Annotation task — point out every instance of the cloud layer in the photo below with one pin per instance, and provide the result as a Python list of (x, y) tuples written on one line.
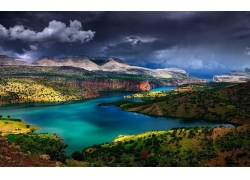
[(55, 32), (193, 41)]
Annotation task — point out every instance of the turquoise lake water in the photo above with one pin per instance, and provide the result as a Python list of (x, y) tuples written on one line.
[(83, 123)]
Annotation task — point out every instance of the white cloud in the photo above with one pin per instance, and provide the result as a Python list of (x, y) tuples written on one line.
[(33, 47), (247, 51), (3, 32), (134, 39), (55, 32), (18, 32)]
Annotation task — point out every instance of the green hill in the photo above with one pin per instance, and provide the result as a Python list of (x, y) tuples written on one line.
[(180, 147), (229, 104), (19, 90)]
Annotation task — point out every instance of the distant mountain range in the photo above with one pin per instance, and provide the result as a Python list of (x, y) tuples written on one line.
[(98, 64), (233, 76)]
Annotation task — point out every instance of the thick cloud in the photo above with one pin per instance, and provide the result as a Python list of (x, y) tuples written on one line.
[(55, 32), (193, 41), (3, 32)]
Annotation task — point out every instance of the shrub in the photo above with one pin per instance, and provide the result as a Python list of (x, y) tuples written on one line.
[(77, 156)]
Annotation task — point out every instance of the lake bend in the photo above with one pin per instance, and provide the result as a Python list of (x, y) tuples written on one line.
[(82, 123)]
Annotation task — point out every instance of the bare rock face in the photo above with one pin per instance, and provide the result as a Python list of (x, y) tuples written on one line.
[(44, 157), (233, 76), (116, 84)]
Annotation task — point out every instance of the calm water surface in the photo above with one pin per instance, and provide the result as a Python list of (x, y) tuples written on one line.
[(83, 123)]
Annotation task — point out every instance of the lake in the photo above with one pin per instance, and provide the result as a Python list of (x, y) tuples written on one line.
[(83, 123)]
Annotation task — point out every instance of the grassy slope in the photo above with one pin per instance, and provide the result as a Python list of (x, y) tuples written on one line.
[(230, 104), (15, 126), (39, 144), (15, 90), (199, 146)]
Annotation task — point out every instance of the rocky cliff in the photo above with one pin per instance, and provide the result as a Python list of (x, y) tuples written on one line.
[(175, 82), (112, 85)]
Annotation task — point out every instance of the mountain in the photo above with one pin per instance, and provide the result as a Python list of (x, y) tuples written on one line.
[(109, 64), (5, 60), (233, 76), (98, 65)]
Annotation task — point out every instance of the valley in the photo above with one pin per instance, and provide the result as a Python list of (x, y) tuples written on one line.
[(193, 124)]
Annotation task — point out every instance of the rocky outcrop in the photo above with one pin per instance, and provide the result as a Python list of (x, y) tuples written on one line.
[(115, 85), (177, 82), (233, 76)]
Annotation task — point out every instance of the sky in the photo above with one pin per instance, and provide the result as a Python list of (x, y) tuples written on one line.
[(196, 41)]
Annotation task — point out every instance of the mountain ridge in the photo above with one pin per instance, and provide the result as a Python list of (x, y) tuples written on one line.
[(101, 64), (233, 76)]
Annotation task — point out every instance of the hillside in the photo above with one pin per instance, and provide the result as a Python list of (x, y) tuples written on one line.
[(32, 150), (228, 104), (20, 90), (186, 146), (179, 147)]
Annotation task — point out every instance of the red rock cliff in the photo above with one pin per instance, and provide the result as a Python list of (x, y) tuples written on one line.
[(115, 85)]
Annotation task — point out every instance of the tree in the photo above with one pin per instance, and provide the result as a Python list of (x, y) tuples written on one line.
[(77, 156), (8, 116)]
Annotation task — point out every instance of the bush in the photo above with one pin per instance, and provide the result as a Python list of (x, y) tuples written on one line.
[(77, 156)]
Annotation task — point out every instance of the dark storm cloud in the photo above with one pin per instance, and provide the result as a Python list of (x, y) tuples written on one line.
[(189, 40)]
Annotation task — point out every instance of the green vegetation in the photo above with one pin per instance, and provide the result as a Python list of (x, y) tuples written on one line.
[(177, 147), (16, 90), (181, 88), (14, 126), (149, 94), (198, 146), (229, 104), (39, 144)]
